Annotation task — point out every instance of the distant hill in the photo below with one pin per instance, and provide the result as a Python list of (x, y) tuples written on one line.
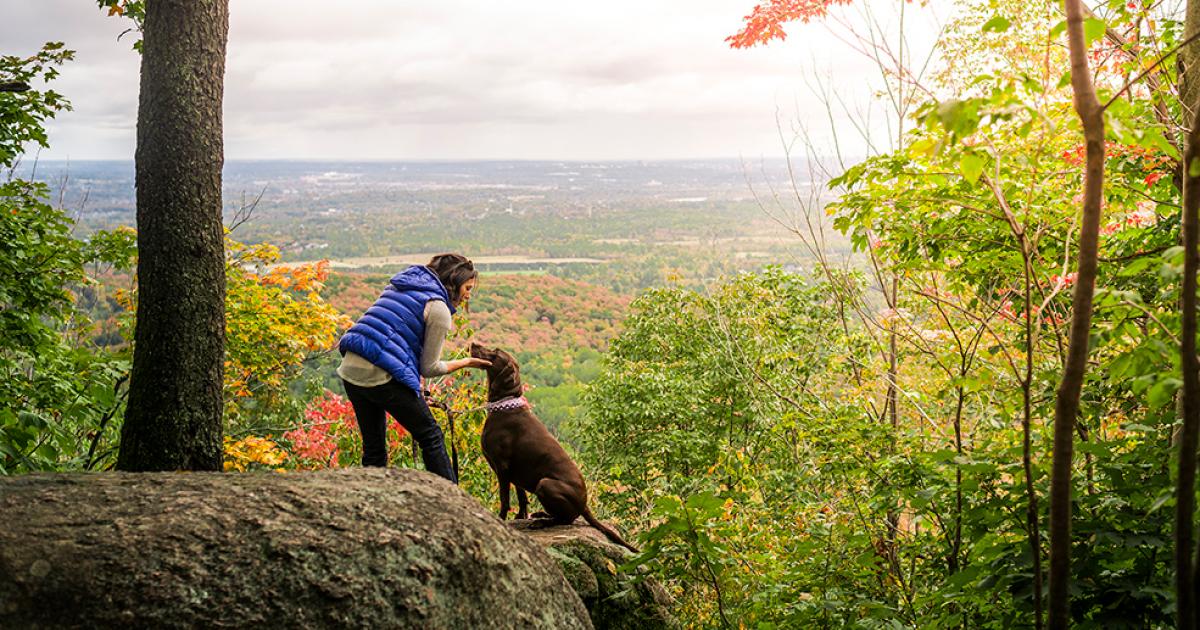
[(690, 221), (299, 195)]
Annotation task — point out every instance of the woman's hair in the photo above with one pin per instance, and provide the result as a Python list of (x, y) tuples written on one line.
[(453, 270)]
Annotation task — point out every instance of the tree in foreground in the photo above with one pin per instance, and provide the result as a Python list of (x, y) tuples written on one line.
[(174, 417)]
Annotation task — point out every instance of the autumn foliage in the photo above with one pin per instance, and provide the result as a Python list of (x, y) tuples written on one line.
[(531, 314), (765, 22), (276, 318), (253, 453)]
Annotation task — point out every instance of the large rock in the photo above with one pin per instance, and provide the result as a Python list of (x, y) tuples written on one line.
[(350, 548), (615, 598)]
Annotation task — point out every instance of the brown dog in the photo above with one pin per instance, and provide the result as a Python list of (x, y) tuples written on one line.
[(522, 452)]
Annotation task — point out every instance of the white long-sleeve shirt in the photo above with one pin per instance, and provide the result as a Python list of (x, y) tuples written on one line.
[(359, 371)]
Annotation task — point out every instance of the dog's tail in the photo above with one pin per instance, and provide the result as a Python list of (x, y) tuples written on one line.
[(606, 530)]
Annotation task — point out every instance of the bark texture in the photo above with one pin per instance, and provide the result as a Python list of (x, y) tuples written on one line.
[(1185, 506), (615, 599), (349, 548), (173, 420), (1189, 65)]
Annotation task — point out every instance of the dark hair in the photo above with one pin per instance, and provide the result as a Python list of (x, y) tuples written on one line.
[(453, 270)]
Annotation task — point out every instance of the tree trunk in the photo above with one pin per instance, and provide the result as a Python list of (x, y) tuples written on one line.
[(1185, 489), (352, 548), (1032, 513), (173, 420), (1066, 406), (1189, 65), (1185, 506)]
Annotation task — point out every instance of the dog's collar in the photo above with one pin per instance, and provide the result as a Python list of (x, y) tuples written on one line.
[(508, 404)]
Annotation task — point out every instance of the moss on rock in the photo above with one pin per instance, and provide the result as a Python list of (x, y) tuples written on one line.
[(616, 600)]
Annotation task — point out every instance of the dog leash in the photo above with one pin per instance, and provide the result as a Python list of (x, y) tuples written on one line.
[(453, 442), (507, 404)]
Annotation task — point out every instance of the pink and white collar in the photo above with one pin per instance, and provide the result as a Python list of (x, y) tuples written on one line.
[(511, 403)]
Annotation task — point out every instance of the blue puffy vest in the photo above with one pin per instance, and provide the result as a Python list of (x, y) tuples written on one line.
[(391, 333)]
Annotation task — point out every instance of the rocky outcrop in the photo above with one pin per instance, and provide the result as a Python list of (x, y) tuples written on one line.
[(614, 598), (347, 548)]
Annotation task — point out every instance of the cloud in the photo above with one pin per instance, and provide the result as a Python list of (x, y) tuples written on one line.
[(458, 79)]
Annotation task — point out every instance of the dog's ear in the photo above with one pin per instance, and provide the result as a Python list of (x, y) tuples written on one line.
[(508, 377)]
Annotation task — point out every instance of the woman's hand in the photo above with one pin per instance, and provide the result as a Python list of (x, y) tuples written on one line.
[(469, 362)]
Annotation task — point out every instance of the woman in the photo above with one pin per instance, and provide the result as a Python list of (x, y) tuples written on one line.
[(396, 342)]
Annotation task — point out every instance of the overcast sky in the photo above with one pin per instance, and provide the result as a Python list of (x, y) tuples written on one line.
[(460, 79)]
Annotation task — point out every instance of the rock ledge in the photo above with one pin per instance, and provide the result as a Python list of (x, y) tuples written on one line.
[(592, 564)]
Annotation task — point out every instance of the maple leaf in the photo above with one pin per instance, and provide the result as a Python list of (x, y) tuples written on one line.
[(765, 22)]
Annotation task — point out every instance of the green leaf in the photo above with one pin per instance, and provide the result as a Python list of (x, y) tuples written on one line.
[(971, 167), (1163, 391), (924, 146), (1093, 29), (667, 505), (1153, 138), (997, 24), (1099, 449), (1141, 383), (1161, 501), (32, 420), (705, 502), (48, 452)]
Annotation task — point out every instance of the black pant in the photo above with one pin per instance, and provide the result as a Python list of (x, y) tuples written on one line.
[(410, 410)]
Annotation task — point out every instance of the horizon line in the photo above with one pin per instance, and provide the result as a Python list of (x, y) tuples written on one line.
[(434, 160)]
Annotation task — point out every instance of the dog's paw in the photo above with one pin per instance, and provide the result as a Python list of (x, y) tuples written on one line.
[(540, 515)]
